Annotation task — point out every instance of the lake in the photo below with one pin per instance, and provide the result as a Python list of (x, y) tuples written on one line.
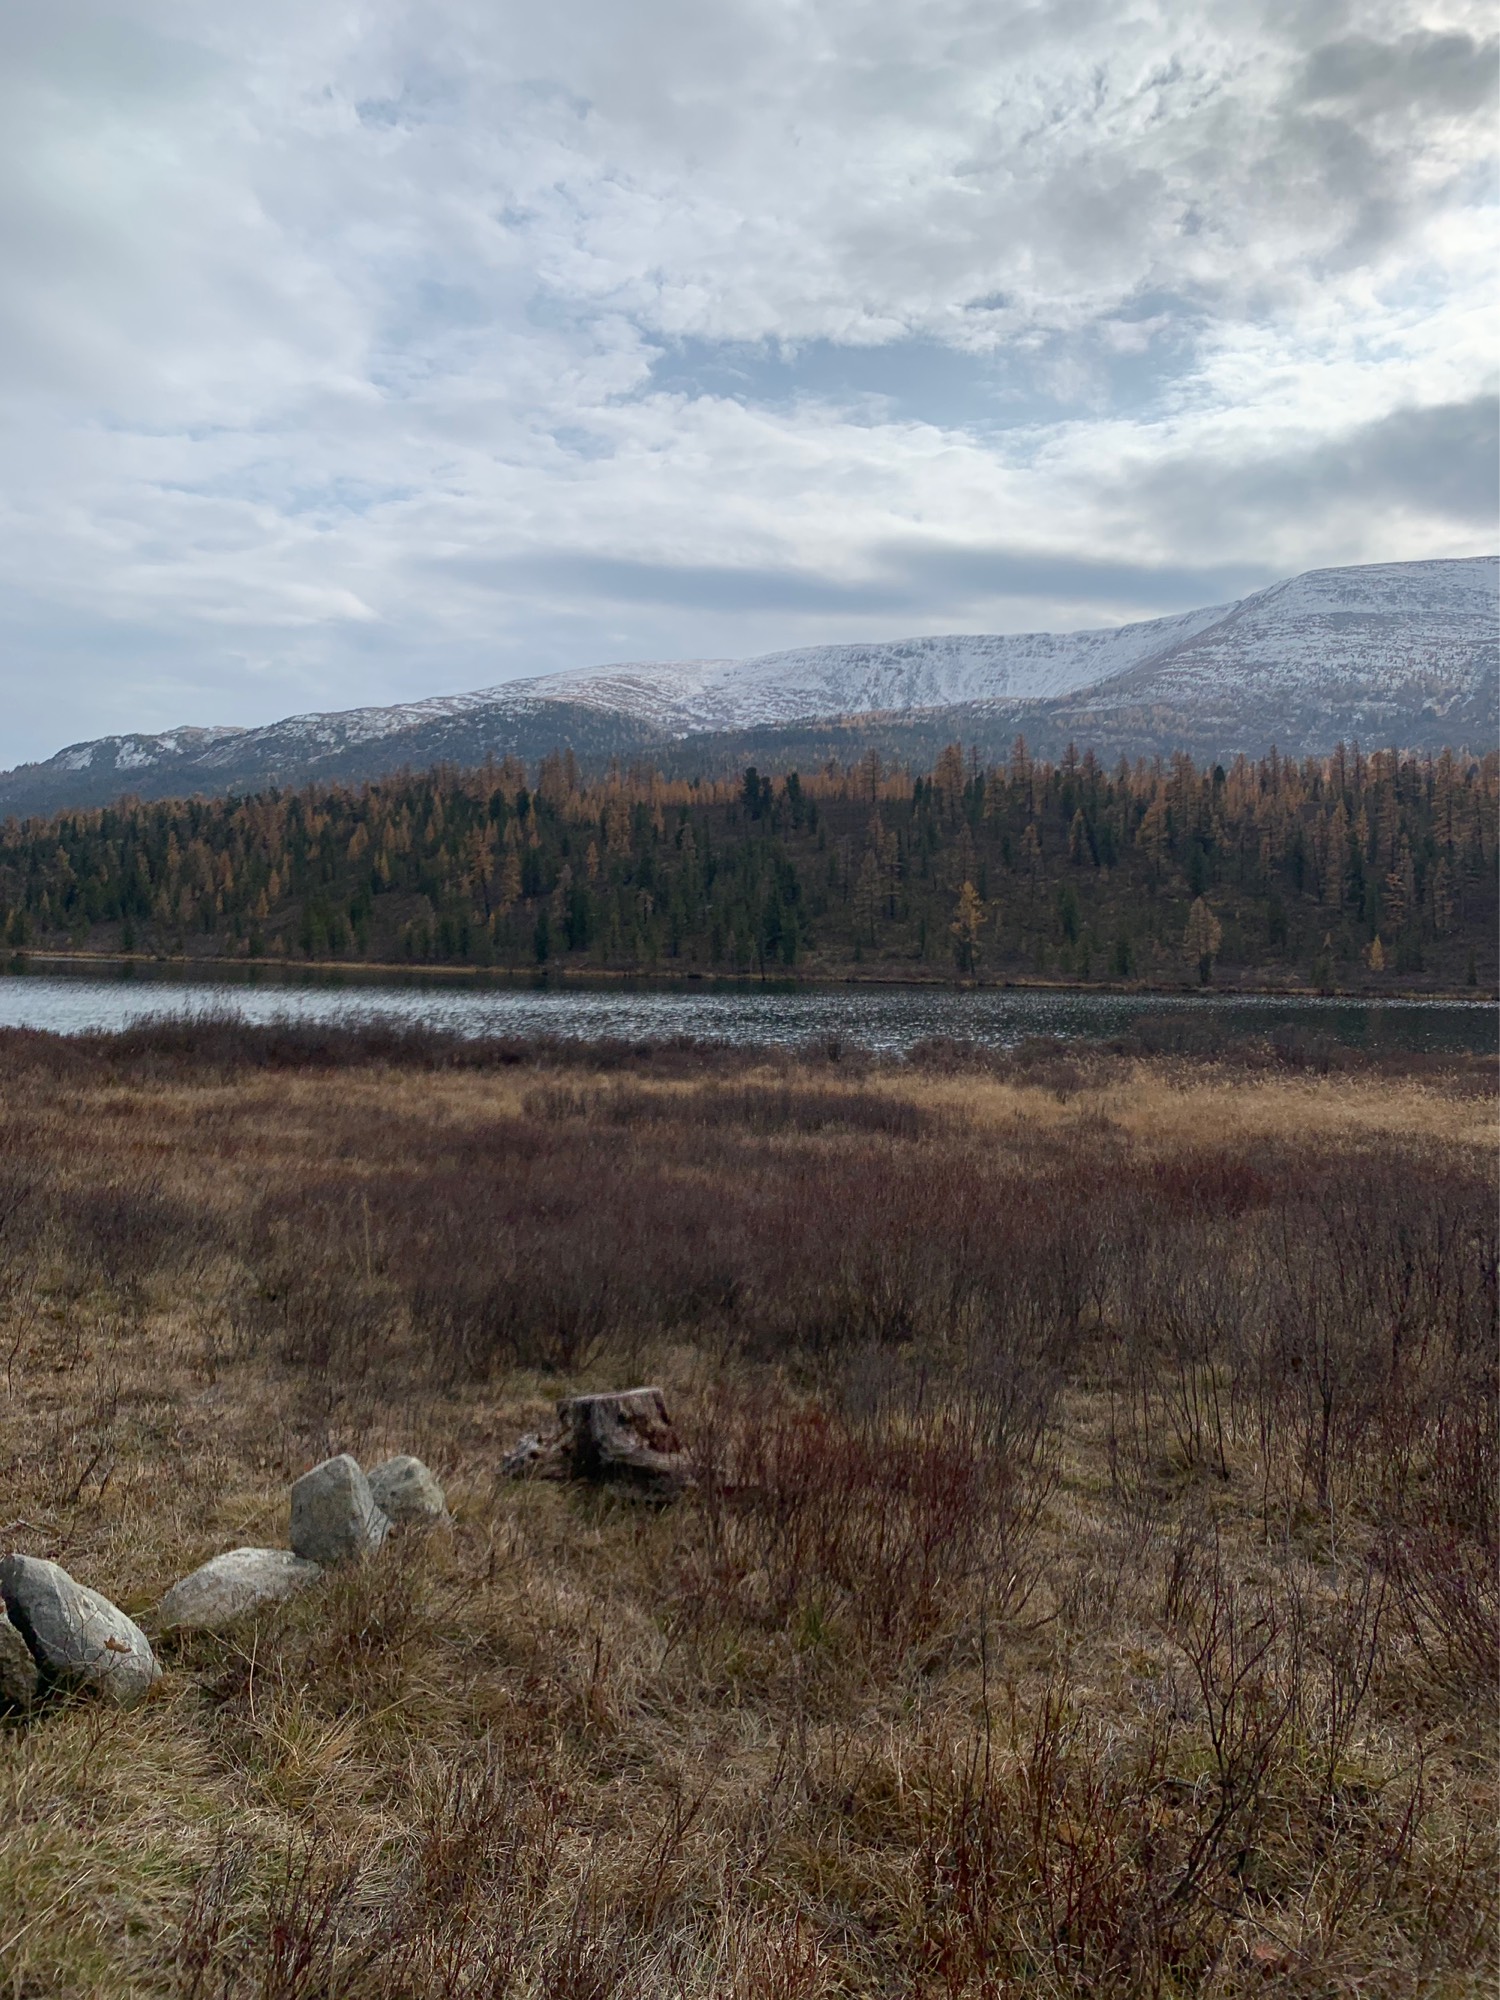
[(886, 1019)]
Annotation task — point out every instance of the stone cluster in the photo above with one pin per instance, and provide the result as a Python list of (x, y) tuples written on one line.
[(57, 1635)]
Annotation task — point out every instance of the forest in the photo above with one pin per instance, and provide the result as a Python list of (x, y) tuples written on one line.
[(1352, 871)]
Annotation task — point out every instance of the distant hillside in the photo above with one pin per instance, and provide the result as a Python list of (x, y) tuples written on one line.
[(1400, 654)]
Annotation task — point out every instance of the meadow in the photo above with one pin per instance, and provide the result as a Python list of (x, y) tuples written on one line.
[(1088, 1585)]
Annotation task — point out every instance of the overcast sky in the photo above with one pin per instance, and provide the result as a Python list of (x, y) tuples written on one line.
[(354, 353)]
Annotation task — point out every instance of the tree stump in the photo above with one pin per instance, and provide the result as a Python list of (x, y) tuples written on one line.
[(626, 1436)]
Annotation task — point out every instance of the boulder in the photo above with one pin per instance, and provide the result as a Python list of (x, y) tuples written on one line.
[(407, 1494), (228, 1586), (18, 1675), (625, 1436), (334, 1516), (77, 1638)]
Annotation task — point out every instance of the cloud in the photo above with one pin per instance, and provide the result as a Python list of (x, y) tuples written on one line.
[(1441, 462), (904, 579), (352, 355), (1452, 73)]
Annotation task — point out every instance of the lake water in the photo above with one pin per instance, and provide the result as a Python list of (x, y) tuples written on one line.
[(887, 1019)]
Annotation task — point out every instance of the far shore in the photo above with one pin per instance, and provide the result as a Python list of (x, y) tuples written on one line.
[(296, 971)]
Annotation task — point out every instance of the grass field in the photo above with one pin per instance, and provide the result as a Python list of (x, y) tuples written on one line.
[(1089, 1585)]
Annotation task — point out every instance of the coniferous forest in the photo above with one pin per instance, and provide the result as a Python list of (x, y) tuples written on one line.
[(1350, 871)]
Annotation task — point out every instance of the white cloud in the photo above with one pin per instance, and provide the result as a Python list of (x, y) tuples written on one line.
[(337, 348)]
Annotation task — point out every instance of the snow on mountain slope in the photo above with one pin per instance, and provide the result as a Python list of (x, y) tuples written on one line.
[(684, 697), (1396, 651), (871, 679), (139, 753), (1381, 628)]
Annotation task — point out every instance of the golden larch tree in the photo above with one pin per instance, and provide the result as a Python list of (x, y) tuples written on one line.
[(968, 921), (1201, 939)]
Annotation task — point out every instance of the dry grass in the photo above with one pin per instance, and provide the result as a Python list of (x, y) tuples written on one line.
[(1089, 1587)]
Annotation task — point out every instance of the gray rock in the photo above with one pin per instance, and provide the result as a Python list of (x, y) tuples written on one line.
[(334, 1516), (230, 1585), (77, 1638), (18, 1674), (407, 1494)]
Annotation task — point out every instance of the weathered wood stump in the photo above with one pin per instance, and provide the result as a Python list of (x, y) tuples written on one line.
[(624, 1438), (623, 1435)]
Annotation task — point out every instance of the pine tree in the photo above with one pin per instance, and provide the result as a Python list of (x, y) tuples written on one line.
[(868, 899), (948, 779), (1401, 888), (510, 881), (1442, 897)]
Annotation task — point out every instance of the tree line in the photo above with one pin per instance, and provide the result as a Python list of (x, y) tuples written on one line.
[(1355, 867)]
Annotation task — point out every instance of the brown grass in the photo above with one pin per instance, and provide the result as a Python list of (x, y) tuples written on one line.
[(1089, 1585)]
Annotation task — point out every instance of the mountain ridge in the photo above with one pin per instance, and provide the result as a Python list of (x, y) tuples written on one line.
[(1392, 651)]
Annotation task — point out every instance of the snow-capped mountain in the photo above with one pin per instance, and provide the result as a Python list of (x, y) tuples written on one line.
[(1384, 627), (137, 753), (694, 696), (1392, 652), (1402, 652)]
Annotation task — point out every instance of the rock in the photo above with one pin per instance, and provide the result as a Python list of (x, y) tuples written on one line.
[(77, 1638), (334, 1516), (407, 1494), (19, 1679), (230, 1585), (626, 1436)]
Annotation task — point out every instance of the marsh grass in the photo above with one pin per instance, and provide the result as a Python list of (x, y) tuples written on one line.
[(1088, 1585)]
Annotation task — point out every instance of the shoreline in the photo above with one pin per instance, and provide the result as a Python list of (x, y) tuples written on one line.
[(381, 973)]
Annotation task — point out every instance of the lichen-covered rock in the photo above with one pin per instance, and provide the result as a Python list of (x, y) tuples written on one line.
[(77, 1638), (407, 1494), (229, 1586), (18, 1670), (334, 1516)]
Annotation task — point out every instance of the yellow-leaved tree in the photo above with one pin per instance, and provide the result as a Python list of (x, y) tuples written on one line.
[(1201, 940), (968, 921)]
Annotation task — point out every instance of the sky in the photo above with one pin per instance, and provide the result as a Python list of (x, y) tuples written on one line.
[(351, 354)]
